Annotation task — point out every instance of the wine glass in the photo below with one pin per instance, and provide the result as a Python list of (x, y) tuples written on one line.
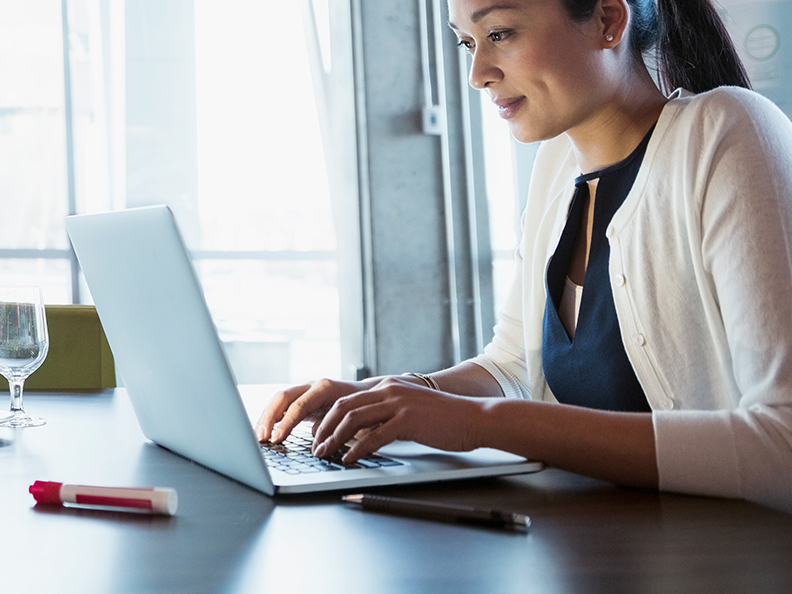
[(23, 346)]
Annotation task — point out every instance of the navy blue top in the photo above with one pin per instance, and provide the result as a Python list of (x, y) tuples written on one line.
[(591, 369)]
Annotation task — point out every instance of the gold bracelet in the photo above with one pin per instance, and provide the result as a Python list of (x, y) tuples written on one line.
[(429, 381)]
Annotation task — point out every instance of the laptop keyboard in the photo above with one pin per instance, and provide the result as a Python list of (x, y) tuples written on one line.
[(294, 456)]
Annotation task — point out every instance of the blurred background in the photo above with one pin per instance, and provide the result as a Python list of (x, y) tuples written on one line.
[(350, 204)]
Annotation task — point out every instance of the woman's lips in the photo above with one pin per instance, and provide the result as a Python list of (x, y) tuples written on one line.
[(508, 108)]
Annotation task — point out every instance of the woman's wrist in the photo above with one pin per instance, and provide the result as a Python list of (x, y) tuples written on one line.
[(477, 421), (370, 382), (426, 380)]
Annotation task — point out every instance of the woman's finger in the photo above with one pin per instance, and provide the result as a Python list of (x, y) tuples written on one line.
[(339, 410), (276, 409), (350, 416), (373, 439), (311, 404)]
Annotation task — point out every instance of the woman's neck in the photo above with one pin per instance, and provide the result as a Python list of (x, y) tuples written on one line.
[(619, 126)]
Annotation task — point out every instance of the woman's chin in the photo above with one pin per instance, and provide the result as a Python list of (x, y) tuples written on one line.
[(526, 134)]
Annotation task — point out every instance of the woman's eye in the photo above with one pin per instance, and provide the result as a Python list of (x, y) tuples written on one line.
[(497, 36), (465, 44)]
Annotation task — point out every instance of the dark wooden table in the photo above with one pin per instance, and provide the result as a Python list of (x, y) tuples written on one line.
[(587, 536)]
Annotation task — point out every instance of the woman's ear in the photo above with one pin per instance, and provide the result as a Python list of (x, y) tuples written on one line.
[(612, 17)]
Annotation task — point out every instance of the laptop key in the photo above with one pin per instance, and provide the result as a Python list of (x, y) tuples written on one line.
[(294, 456), (388, 462), (365, 463)]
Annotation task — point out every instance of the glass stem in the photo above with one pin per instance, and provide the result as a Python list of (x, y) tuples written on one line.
[(16, 396)]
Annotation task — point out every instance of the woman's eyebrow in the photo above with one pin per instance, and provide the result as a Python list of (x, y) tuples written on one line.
[(481, 13)]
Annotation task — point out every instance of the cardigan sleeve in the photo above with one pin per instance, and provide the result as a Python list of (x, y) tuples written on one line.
[(504, 357), (744, 198), (513, 357)]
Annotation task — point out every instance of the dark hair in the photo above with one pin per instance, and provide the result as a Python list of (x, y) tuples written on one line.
[(692, 48)]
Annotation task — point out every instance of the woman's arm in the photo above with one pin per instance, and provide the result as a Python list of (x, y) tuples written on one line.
[(468, 379), (617, 447), (312, 400), (613, 446), (744, 222), (469, 412)]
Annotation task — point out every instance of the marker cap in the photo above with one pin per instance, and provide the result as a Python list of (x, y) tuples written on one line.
[(46, 491)]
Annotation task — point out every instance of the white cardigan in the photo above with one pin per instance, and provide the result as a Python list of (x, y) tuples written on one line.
[(701, 271)]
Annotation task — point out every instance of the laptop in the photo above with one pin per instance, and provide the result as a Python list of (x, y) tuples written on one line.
[(178, 378)]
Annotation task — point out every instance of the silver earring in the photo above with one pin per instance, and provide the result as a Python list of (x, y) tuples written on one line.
[(609, 37)]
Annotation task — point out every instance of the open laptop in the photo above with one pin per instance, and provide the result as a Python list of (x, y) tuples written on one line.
[(179, 381)]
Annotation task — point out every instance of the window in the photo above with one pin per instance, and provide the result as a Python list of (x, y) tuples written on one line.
[(233, 150), (266, 253), (502, 201), (56, 136)]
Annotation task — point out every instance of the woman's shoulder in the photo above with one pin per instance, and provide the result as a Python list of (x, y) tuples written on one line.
[(743, 119), (733, 104)]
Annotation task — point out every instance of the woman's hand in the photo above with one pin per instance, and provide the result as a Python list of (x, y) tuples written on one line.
[(305, 402), (398, 409)]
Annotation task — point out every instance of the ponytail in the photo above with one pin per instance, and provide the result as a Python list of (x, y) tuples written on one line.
[(692, 48)]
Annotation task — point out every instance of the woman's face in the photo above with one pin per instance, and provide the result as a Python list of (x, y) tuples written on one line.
[(544, 71)]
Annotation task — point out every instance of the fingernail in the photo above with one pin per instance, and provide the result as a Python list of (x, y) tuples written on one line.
[(274, 435), (320, 450)]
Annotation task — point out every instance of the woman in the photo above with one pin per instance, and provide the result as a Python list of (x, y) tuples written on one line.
[(673, 369)]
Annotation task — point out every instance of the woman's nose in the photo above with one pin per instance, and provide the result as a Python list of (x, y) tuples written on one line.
[(482, 71)]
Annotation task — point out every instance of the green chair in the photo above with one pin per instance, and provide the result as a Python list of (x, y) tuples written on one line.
[(79, 356)]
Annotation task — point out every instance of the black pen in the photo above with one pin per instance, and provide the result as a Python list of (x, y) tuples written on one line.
[(440, 511)]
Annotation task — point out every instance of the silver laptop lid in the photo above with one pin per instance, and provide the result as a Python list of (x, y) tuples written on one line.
[(164, 341)]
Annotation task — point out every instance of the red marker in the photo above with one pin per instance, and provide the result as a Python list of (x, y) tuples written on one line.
[(159, 501)]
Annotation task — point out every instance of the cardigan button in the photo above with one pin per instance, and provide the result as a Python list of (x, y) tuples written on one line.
[(620, 280), (639, 339)]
